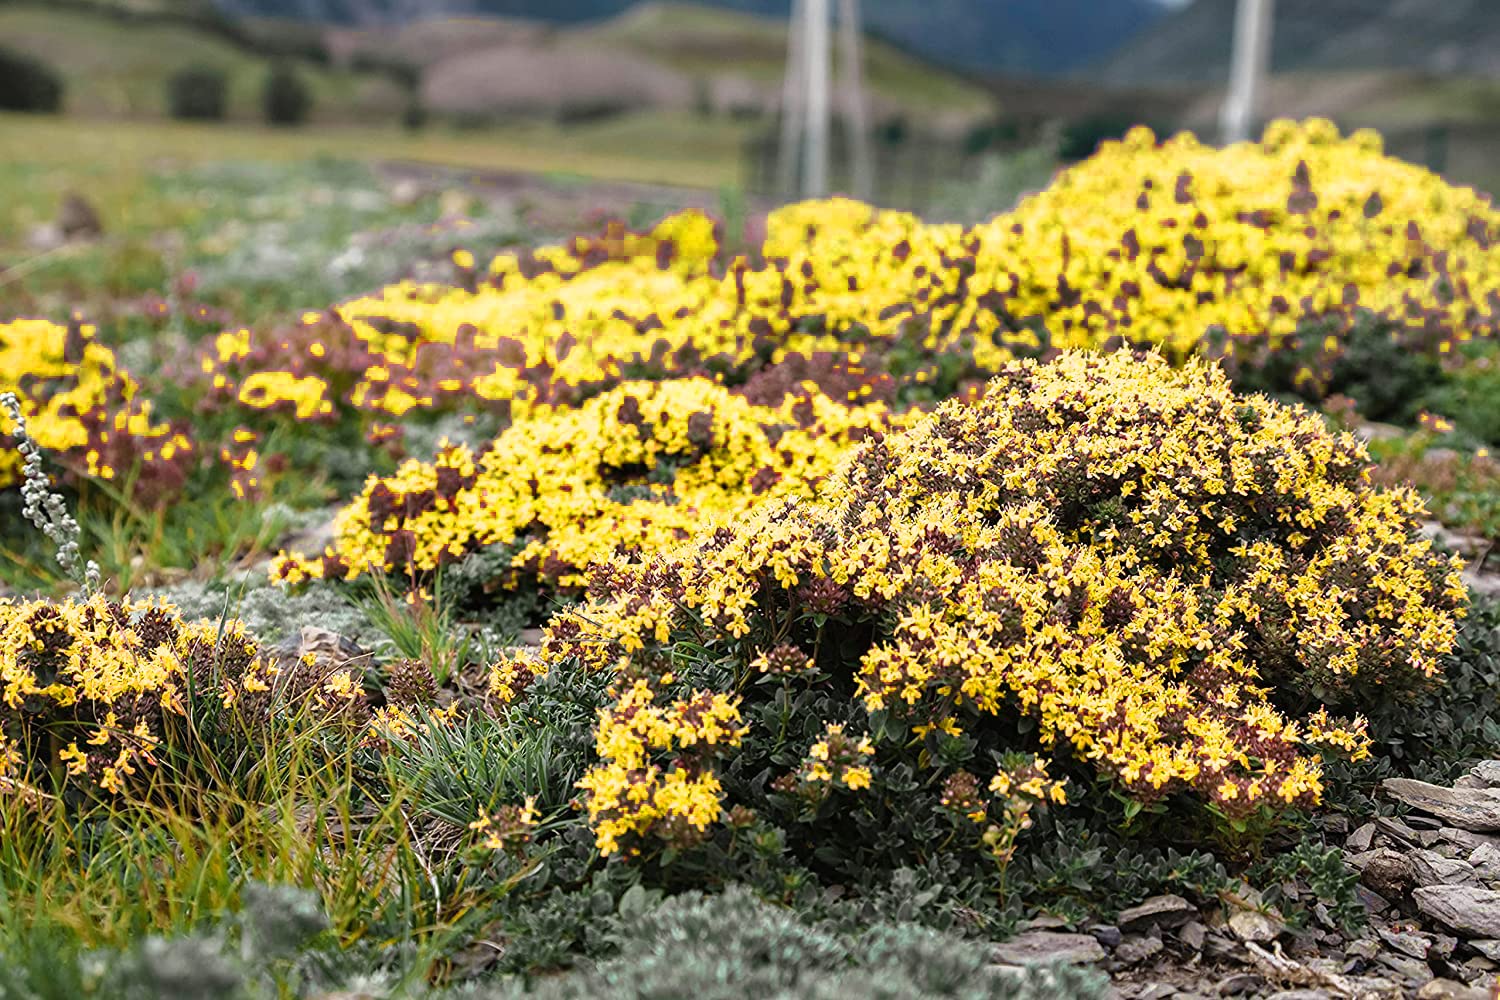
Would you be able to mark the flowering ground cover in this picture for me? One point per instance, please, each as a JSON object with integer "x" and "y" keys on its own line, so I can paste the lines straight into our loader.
{"x": 631, "y": 615}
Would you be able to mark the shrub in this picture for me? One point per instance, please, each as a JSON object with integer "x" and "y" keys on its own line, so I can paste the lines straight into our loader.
{"x": 634, "y": 470}
{"x": 198, "y": 93}
{"x": 1102, "y": 558}
{"x": 285, "y": 98}
{"x": 101, "y": 686}
{"x": 28, "y": 84}
{"x": 87, "y": 683}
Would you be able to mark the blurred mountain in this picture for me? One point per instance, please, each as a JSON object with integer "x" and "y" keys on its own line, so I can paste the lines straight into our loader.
{"x": 1437, "y": 37}
{"x": 1050, "y": 37}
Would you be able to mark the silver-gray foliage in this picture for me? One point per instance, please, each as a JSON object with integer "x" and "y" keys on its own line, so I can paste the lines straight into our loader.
{"x": 45, "y": 508}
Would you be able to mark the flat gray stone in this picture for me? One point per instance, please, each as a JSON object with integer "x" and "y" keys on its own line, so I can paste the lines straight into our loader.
{"x": 1448, "y": 989}
{"x": 1415, "y": 945}
{"x": 1041, "y": 947}
{"x": 1473, "y": 809}
{"x": 1472, "y": 912}
{"x": 1485, "y": 860}
{"x": 1487, "y": 771}
{"x": 1361, "y": 839}
{"x": 1169, "y": 910}
{"x": 1489, "y": 949}
{"x": 1468, "y": 839}
{"x": 1252, "y": 925}
{"x": 1135, "y": 950}
{"x": 1431, "y": 868}
{"x": 1193, "y": 934}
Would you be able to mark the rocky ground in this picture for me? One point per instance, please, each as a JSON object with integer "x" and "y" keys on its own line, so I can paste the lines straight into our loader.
{"x": 1430, "y": 885}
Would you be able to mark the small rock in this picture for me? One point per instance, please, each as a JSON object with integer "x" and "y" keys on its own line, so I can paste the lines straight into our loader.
{"x": 1473, "y": 809}
{"x": 1385, "y": 871}
{"x": 1106, "y": 935}
{"x": 78, "y": 219}
{"x": 1467, "y": 839}
{"x": 1253, "y": 925}
{"x": 1488, "y": 948}
{"x": 45, "y": 237}
{"x": 1485, "y": 860}
{"x": 1239, "y": 984}
{"x": 1415, "y": 945}
{"x": 1334, "y": 823}
{"x": 1363, "y": 948}
{"x": 1135, "y": 950}
{"x": 1431, "y": 868}
{"x": 1217, "y": 946}
{"x": 1447, "y": 989}
{"x": 1165, "y": 911}
{"x": 1410, "y": 969}
{"x": 1487, "y": 771}
{"x": 1044, "y": 923}
{"x": 1192, "y": 934}
{"x": 1039, "y": 947}
{"x": 1155, "y": 991}
{"x": 1470, "y": 911}
{"x": 1373, "y": 901}
{"x": 1397, "y": 828}
{"x": 1360, "y": 840}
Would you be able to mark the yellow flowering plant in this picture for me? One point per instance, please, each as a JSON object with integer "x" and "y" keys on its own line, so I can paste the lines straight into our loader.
{"x": 1187, "y": 592}
{"x": 104, "y": 691}
{"x": 635, "y": 470}
{"x": 85, "y": 410}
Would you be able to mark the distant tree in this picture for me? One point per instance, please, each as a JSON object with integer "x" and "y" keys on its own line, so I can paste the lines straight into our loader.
{"x": 285, "y": 98}
{"x": 28, "y": 84}
{"x": 198, "y": 93}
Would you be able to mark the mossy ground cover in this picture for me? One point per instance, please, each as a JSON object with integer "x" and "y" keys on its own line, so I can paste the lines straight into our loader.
{"x": 797, "y": 621}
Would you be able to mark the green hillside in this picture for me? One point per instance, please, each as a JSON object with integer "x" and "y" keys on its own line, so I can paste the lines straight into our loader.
{"x": 116, "y": 67}
{"x": 703, "y": 41}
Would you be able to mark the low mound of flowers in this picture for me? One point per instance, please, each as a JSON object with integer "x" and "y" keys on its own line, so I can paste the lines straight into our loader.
{"x": 1279, "y": 257}
{"x": 80, "y": 405}
{"x": 1105, "y": 559}
{"x": 1276, "y": 247}
{"x": 90, "y": 685}
{"x": 634, "y": 470}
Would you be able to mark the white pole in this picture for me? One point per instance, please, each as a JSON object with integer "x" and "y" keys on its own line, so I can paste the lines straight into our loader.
{"x": 815, "y": 38}
{"x": 1252, "y": 52}
{"x": 851, "y": 35}
{"x": 793, "y": 103}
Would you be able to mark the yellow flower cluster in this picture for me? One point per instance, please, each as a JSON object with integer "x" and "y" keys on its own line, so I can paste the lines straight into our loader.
{"x": 637, "y": 469}
{"x": 91, "y": 680}
{"x": 1163, "y": 243}
{"x": 631, "y": 795}
{"x": 78, "y": 403}
{"x": 837, "y": 759}
{"x": 1128, "y": 553}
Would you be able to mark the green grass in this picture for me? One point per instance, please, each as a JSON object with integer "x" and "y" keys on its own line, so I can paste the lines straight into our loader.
{"x": 260, "y": 215}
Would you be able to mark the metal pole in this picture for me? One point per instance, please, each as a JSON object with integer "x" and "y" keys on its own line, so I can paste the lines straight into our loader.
{"x": 793, "y": 105}
{"x": 816, "y": 40}
{"x": 1252, "y": 51}
{"x": 851, "y": 36}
